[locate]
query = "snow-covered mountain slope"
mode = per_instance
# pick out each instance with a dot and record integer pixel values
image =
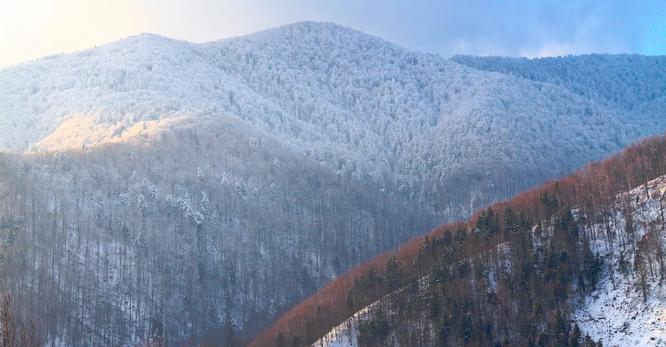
(381, 111)
(633, 84)
(622, 310)
(180, 234)
(414, 124)
(345, 334)
(316, 147)
(618, 312)
(617, 315)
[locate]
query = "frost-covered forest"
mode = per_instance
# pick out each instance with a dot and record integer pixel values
(159, 190)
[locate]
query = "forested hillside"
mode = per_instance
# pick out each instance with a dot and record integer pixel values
(634, 84)
(516, 273)
(160, 190)
(117, 251)
(412, 124)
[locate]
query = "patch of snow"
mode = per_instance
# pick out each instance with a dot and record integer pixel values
(615, 312)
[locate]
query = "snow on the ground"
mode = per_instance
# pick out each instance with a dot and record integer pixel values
(618, 316)
(345, 334)
(616, 313)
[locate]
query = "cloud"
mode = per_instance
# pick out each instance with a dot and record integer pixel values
(512, 27)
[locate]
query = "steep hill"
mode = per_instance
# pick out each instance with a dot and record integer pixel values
(182, 246)
(576, 261)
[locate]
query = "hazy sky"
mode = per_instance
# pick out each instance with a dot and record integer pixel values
(35, 28)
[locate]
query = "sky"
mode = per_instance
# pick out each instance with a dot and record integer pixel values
(32, 29)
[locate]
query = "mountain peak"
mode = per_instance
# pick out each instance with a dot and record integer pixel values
(317, 33)
(323, 26)
(147, 40)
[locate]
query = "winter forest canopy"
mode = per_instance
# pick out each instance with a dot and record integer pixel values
(160, 191)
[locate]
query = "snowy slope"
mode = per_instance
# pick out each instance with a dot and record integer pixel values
(633, 84)
(617, 315)
(615, 312)
(345, 334)
(413, 124)
(205, 235)
(381, 110)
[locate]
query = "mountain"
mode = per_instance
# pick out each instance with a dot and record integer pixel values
(576, 262)
(197, 191)
(360, 106)
(632, 84)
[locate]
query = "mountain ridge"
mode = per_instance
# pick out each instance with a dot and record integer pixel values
(310, 99)
(498, 276)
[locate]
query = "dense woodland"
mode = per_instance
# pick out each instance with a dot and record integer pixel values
(155, 190)
(99, 248)
(617, 85)
(510, 275)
